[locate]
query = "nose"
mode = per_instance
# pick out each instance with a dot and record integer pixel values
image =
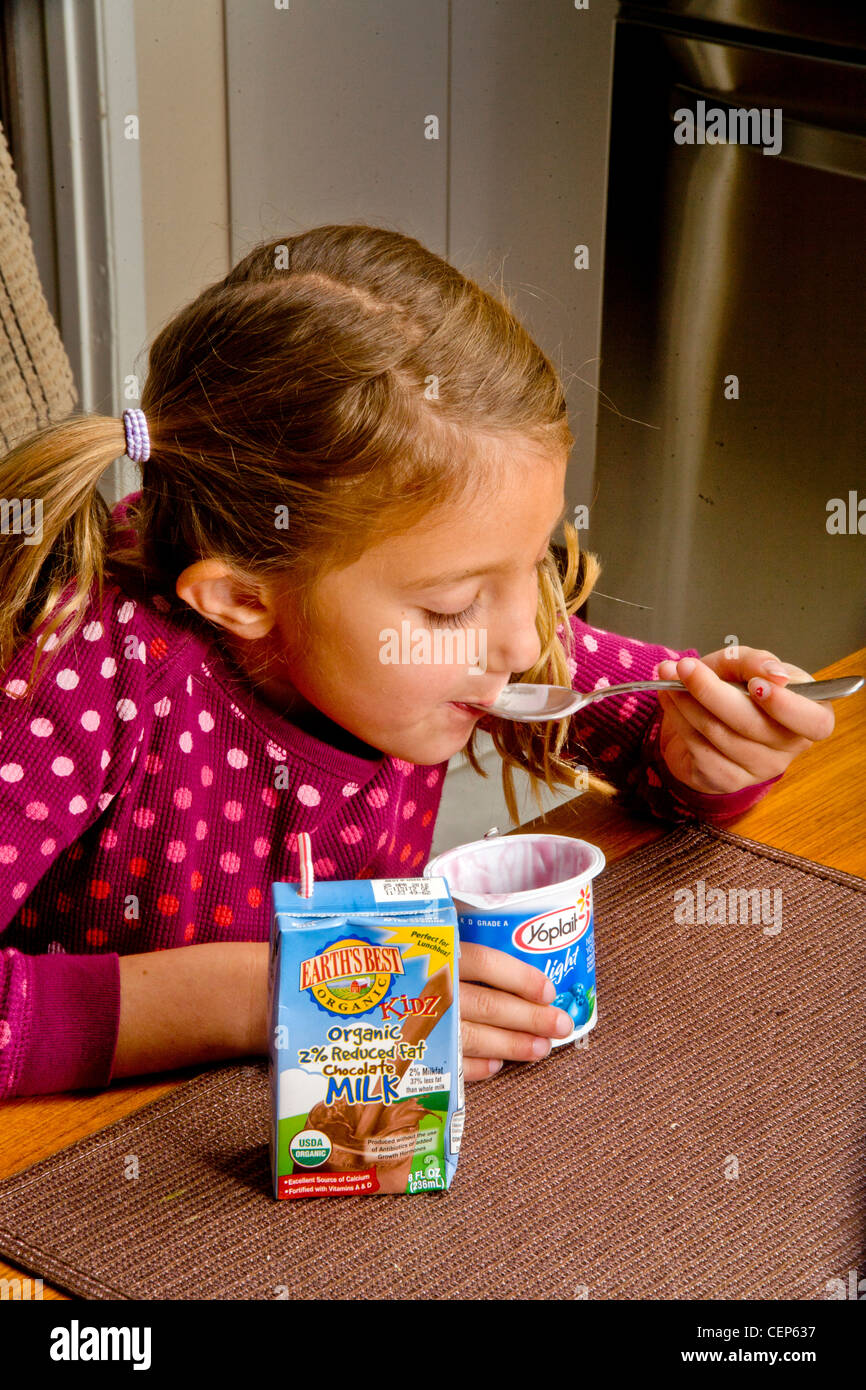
(513, 644)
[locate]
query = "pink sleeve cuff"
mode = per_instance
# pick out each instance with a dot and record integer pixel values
(74, 1009)
(716, 806)
(685, 801)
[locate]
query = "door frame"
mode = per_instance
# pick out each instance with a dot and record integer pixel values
(71, 85)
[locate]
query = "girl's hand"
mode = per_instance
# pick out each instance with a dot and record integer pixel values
(507, 1014)
(718, 739)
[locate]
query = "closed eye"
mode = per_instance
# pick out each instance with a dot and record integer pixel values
(467, 615)
(462, 619)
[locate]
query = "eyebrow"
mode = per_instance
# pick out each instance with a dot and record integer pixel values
(455, 576)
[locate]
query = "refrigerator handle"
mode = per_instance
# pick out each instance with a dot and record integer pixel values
(819, 147)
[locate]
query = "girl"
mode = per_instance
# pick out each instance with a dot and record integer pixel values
(343, 436)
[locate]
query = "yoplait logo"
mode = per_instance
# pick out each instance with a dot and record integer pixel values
(556, 929)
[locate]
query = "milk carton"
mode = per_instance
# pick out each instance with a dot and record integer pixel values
(365, 1062)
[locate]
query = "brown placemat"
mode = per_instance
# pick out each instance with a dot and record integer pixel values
(707, 1143)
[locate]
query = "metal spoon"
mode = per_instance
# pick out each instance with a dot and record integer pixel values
(532, 704)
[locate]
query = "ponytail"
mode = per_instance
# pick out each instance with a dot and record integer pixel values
(53, 530)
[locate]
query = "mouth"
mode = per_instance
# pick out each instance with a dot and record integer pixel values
(473, 710)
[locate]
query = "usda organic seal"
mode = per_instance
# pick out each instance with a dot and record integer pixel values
(310, 1148)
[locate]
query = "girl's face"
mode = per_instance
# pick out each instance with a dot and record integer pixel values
(402, 627)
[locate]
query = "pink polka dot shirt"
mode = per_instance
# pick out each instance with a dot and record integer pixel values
(148, 799)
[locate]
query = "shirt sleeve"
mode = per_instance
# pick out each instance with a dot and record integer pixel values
(618, 739)
(59, 1017)
(63, 757)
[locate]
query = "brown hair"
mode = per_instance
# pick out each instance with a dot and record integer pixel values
(346, 378)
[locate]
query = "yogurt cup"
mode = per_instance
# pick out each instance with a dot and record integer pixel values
(531, 896)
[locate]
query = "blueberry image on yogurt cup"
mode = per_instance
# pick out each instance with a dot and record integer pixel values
(579, 1008)
(582, 1005)
(577, 1003)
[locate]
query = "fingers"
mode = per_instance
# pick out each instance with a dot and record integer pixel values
(502, 1026)
(731, 720)
(479, 1069)
(503, 1009)
(490, 967)
(812, 720)
(709, 769)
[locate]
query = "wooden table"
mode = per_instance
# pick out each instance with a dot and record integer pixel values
(815, 811)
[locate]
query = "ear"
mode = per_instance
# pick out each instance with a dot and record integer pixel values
(218, 595)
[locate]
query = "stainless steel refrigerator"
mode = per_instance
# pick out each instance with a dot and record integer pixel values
(730, 488)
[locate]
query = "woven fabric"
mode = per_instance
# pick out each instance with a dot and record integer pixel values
(705, 1144)
(36, 384)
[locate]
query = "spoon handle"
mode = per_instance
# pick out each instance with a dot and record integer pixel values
(832, 689)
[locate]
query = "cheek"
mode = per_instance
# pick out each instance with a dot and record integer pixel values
(350, 672)
(421, 683)
(403, 690)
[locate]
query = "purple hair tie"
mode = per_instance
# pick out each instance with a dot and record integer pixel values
(137, 437)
